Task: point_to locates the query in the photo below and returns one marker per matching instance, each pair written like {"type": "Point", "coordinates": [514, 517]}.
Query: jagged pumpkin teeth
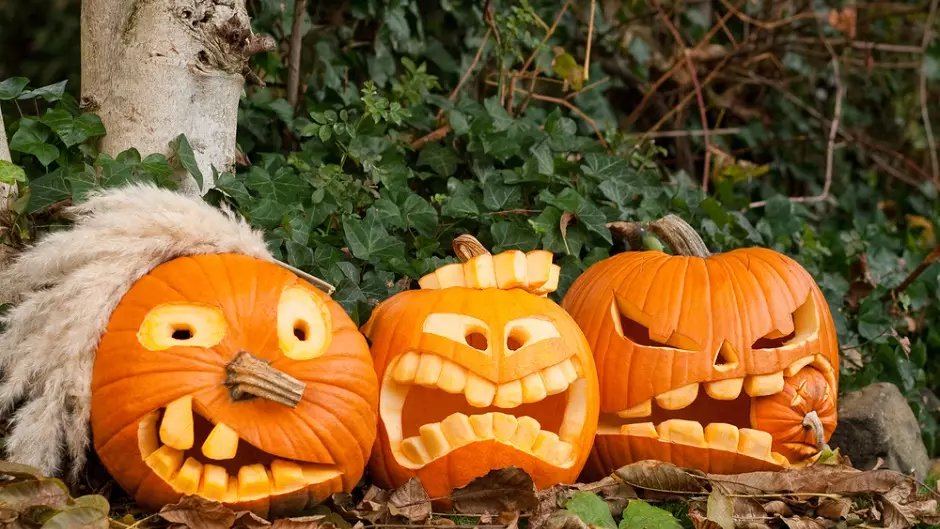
{"type": "Point", "coordinates": [286, 476]}
{"type": "Point", "coordinates": [563, 452]}
{"type": "Point", "coordinates": [457, 429]}
{"type": "Point", "coordinates": [780, 459]}
{"type": "Point", "coordinates": [253, 482]}
{"type": "Point", "coordinates": [511, 269]}
{"type": "Point", "coordinates": [795, 367]}
{"type": "Point", "coordinates": [450, 275]}
{"type": "Point", "coordinates": [479, 391]}
{"type": "Point", "coordinates": [176, 429]}
{"type": "Point", "coordinates": [221, 443]}
{"type": "Point", "coordinates": [479, 272]}
{"type": "Point", "coordinates": [453, 378]}
{"type": "Point", "coordinates": [509, 395]}
{"type": "Point", "coordinates": [434, 440]}
{"type": "Point", "coordinates": [727, 389]}
{"type": "Point", "coordinates": [538, 267]}
{"type": "Point", "coordinates": [147, 434]}
{"type": "Point", "coordinates": [318, 474]}
{"type": "Point", "coordinates": [214, 482]}
{"type": "Point", "coordinates": [678, 398]}
{"type": "Point", "coordinates": [407, 367]}
{"type": "Point", "coordinates": [643, 409]}
{"type": "Point", "coordinates": [429, 370]}
{"type": "Point", "coordinates": [187, 480]}
{"type": "Point", "coordinates": [482, 425]}
{"type": "Point", "coordinates": [682, 432]}
{"type": "Point", "coordinates": [231, 494]}
{"type": "Point", "coordinates": [642, 429]}
{"type": "Point", "coordinates": [165, 461]}
{"type": "Point", "coordinates": [554, 380]}
{"type": "Point", "coordinates": [533, 389]}
{"type": "Point", "coordinates": [722, 436]}
{"type": "Point", "coordinates": [504, 426]}
{"type": "Point", "coordinates": [567, 368]}
{"type": "Point", "coordinates": [545, 445]}
{"type": "Point", "coordinates": [755, 443]}
{"type": "Point", "coordinates": [762, 385]}
{"type": "Point", "coordinates": [414, 450]}
{"type": "Point", "coordinates": [526, 432]}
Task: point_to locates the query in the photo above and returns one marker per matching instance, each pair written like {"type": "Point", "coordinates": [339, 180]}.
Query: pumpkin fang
{"type": "Point", "coordinates": [420, 378]}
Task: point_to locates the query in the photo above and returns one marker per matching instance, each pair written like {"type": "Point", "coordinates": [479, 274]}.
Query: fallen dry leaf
{"type": "Point", "coordinates": [198, 513]}
{"type": "Point", "coordinates": [249, 520]}
{"type": "Point", "coordinates": [720, 509]}
{"type": "Point", "coordinates": [501, 490]}
{"type": "Point", "coordinates": [615, 492]}
{"type": "Point", "coordinates": [374, 505]}
{"type": "Point", "coordinates": [802, 523]}
{"type": "Point", "coordinates": [661, 477]}
{"type": "Point", "coordinates": [778, 507]}
{"type": "Point", "coordinates": [834, 509]}
{"type": "Point", "coordinates": [411, 501]}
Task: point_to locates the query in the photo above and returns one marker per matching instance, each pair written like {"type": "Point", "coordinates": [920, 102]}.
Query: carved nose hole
{"type": "Point", "coordinates": [726, 358]}
{"type": "Point", "coordinates": [477, 340]}
{"type": "Point", "coordinates": [517, 338]}
{"type": "Point", "coordinates": [182, 332]}
{"type": "Point", "coordinates": [301, 330]}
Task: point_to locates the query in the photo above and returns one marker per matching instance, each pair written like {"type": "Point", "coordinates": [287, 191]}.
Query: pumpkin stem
{"type": "Point", "coordinates": [811, 422]}
{"type": "Point", "coordinates": [467, 247]}
{"type": "Point", "coordinates": [680, 236]}
{"type": "Point", "coordinates": [249, 377]}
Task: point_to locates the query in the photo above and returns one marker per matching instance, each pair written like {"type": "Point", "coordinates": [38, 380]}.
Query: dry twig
{"type": "Point", "coordinates": [296, 41]}
{"type": "Point", "coordinates": [590, 37]}
{"type": "Point", "coordinates": [931, 143]}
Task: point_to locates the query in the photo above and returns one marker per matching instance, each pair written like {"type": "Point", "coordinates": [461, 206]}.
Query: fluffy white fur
{"type": "Point", "coordinates": [64, 290]}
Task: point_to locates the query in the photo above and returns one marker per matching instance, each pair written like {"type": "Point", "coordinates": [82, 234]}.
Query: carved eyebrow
{"type": "Point", "coordinates": [459, 328]}
{"type": "Point", "coordinates": [626, 318]}
{"type": "Point", "coordinates": [523, 332]}
{"type": "Point", "coordinates": [805, 324]}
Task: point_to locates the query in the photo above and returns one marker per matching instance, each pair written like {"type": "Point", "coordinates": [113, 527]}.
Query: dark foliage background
{"type": "Point", "coordinates": [388, 154]}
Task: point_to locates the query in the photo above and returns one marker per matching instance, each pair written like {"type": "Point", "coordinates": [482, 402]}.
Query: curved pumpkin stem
{"type": "Point", "coordinates": [467, 247]}
{"type": "Point", "coordinates": [811, 422]}
{"type": "Point", "coordinates": [249, 377]}
{"type": "Point", "coordinates": [680, 236]}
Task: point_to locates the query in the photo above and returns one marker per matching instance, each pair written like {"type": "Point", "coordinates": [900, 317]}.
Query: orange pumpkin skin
{"type": "Point", "coordinates": [668, 332]}
{"type": "Point", "coordinates": [330, 431]}
{"type": "Point", "coordinates": [396, 328]}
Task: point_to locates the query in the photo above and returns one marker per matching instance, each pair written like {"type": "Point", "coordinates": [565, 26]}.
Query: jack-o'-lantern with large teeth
{"type": "Point", "coordinates": [725, 363]}
{"type": "Point", "coordinates": [238, 382]}
{"type": "Point", "coordinates": [479, 370]}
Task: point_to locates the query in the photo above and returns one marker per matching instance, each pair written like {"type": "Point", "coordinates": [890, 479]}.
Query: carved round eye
{"type": "Point", "coordinates": [182, 324]}
{"type": "Point", "coordinates": [303, 324]}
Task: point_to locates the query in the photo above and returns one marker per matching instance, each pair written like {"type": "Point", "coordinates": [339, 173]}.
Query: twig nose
{"type": "Point", "coordinates": [249, 377]}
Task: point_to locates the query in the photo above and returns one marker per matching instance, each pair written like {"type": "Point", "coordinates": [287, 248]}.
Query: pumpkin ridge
{"type": "Point", "coordinates": [231, 307]}
{"type": "Point", "coordinates": [760, 269]}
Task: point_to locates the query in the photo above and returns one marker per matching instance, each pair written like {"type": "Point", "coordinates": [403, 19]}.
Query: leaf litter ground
{"type": "Point", "coordinates": [643, 495]}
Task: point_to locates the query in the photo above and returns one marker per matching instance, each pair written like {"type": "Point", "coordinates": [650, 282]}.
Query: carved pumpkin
{"type": "Point", "coordinates": [479, 370]}
{"type": "Point", "coordinates": [228, 377]}
{"type": "Point", "coordinates": [724, 363]}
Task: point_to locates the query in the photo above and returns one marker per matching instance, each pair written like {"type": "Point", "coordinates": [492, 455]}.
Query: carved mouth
{"type": "Point", "coordinates": [718, 415]}
{"type": "Point", "coordinates": [431, 406]}
{"type": "Point", "coordinates": [193, 456]}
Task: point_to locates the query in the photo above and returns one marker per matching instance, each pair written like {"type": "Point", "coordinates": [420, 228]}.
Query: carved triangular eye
{"type": "Point", "coordinates": [805, 324]}
{"type": "Point", "coordinates": [625, 322]}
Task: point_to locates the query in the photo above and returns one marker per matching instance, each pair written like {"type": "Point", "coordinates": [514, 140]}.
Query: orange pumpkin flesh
{"type": "Point", "coordinates": [479, 371]}
{"type": "Point", "coordinates": [174, 409]}
{"type": "Point", "coordinates": [698, 356]}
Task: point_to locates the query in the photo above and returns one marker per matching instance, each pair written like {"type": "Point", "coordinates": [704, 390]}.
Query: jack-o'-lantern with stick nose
{"type": "Point", "coordinates": [725, 363]}
{"type": "Point", "coordinates": [203, 366]}
{"type": "Point", "coordinates": [479, 370]}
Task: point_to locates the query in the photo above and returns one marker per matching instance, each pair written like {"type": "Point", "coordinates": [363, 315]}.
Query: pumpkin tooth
{"type": "Point", "coordinates": [640, 429]}
{"type": "Point", "coordinates": [453, 378]}
{"type": "Point", "coordinates": [545, 445]}
{"type": "Point", "coordinates": [450, 276]}
{"type": "Point", "coordinates": [678, 398]}
{"type": "Point", "coordinates": [214, 482]}
{"type": "Point", "coordinates": [780, 459]}
{"type": "Point", "coordinates": [682, 431]}
{"type": "Point", "coordinates": [188, 478]}
{"type": "Point", "coordinates": [722, 436]}
{"type": "Point", "coordinates": [457, 430]}
{"type": "Point", "coordinates": [763, 385]}
{"type": "Point", "coordinates": [318, 474]}
{"type": "Point", "coordinates": [554, 380]}
{"type": "Point", "coordinates": [434, 440]}
{"type": "Point", "coordinates": [795, 367]}
{"type": "Point", "coordinates": [176, 429]}
{"type": "Point", "coordinates": [567, 368]}
{"type": "Point", "coordinates": [504, 426]}
{"type": "Point", "coordinates": [147, 441]}
{"type": "Point", "coordinates": [563, 452]}
{"type": "Point", "coordinates": [287, 476]}
{"type": "Point", "coordinates": [221, 443]}
{"type": "Point", "coordinates": [754, 443]}
{"type": "Point", "coordinates": [253, 482]}
{"type": "Point", "coordinates": [643, 409]}
{"type": "Point", "coordinates": [572, 423]}
{"type": "Point", "coordinates": [479, 391]}
{"type": "Point", "coordinates": [509, 395]}
{"type": "Point", "coordinates": [482, 425]}
{"type": "Point", "coordinates": [511, 268]}
{"type": "Point", "coordinates": [429, 370]}
{"type": "Point", "coordinates": [414, 450]}
{"type": "Point", "coordinates": [538, 268]}
{"type": "Point", "coordinates": [526, 431]}
{"type": "Point", "coordinates": [533, 389]}
{"type": "Point", "coordinates": [165, 462]}
{"type": "Point", "coordinates": [231, 493]}
{"type": "Point", "coordinates": [406, 367]}
{"type": "Point", "coordinates": [479, 272]}
{"type": "Point", "coordinates": [727, 389]}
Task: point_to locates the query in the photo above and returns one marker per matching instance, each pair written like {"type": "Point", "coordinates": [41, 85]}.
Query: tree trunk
{"type": "Point", "coordinates": [153, 69]}
{"type": "Point", "coordinates": [6, 195]}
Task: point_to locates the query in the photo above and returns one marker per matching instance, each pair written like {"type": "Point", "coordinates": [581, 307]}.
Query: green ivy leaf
{"type": "Point", "coordinates": [10, 174]}
{"type": "Point", "coordinates": [591, 509]}
{"type": "Point", "coordinates": [50, 93]}
{"type": "Point", "coordinates": [501, 119]}
{"type": "Point", "coordinates": [12, 88]}
{"type": "Point", "coordinates": [442, 160]}
{"type": "Point", "coordinates": [31, 138]}
{"type": "Point", "coordinates": [604, 167]}
{"type": "Point", "coordinates": [47, 190]}
{"type": "Point", "coordinates": [509, 236]}
{"type": "Point", "coordinates": [642, 515]}
{"type": "Point", "coordinates": [368, 238]}
{"type": "Point", "coordinates": [285, 186]}
{"type": "Point", "coordinates": [266, 213]}
{"type": "Point", "coordinates": [187, 158]}
{"type": "Point", "coordinates": [498, 196]}
{"type": "Point", "coordinates": [73, 130]}
{"type": "Point", "coordinates": [543, 155]}
{"type": "Point", "coordinates": [420, 215]}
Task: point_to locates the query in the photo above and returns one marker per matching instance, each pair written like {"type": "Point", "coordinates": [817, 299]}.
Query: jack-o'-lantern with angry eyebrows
{"type": "Point", "coordinates": [725, 363]}
{"type": "Point", "coordinates": [479, 370]}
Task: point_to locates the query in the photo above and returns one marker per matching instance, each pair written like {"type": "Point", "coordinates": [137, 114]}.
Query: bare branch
{"type": "Point", "coordinates": [293, 65]}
